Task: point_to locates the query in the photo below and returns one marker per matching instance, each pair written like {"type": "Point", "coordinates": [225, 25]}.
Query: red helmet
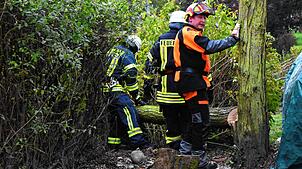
{"type": "Point", "coordinates": [197, 9]}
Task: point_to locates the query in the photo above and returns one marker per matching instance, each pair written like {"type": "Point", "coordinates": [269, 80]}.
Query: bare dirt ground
{"type": "Point", "coordinates": [222, 154]}
{"type": "Point", "coordinates": [220, 149]}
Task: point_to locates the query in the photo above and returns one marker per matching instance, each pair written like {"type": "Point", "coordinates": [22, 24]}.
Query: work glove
{"type": "Point", "coordinates": [236, 30]}
{"type": "Point", "coordinates": [139, 102]}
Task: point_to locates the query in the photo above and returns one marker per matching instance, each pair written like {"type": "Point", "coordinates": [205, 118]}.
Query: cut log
{"type": "Point", "coordinates": [164, 158]}
{"type": "Point", "coordinates": [151, 114]}
{"type": "Point", "coordinates": [186, 162]}
{"type": "Point", "coordinates": [167, 158]}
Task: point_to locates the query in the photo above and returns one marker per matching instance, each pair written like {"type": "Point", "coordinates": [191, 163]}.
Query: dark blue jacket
{"type": "Point", "coordinates": [162, 59]}
{"type": "Point", "coordinates": [122, 72]}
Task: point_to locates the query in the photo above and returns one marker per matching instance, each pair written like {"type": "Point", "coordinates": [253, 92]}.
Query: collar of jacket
{"type": "Point", "coordinates": [124, 48]}
{"type": "Point", "coordinates": [187, 24]}
{"type": "Point", "coordinates": [176, 25]}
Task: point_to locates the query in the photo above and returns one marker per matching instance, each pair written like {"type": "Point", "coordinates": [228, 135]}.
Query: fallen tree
{"type": "Point", "coordinates": [151, 114]}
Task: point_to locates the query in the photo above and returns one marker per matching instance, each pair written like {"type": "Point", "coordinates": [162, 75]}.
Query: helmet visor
{"type": "Point", "coordinates": [201, 8]}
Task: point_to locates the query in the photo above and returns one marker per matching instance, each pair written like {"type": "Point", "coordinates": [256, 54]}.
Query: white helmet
{"type": "Point", "coordinates": [178, 16]}
{"type": "Point", "coordinates": [134, 41]}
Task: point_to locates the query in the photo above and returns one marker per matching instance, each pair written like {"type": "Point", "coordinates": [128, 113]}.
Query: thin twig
{"type": "Point", "coordinates": [220, 144]}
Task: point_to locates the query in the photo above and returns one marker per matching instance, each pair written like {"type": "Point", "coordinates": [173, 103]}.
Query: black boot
{"type": "Point", "coordinates": [185, 148]}
{"type": "Point", "coordinates": [174, 145]}
{"type": "Point", "coordinates": [203, 164]}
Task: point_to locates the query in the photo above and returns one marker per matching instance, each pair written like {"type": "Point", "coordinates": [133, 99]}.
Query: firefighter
{"type": "Point", "coordinates": [172, 105]}
{"type": "Point", "coordinates": [123, 89]}
{"type": "Point", "coordinates": [192, 64]}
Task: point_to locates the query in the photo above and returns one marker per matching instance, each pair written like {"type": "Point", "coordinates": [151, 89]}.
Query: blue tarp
{"type": "Point", "coordinates": [290, 150]}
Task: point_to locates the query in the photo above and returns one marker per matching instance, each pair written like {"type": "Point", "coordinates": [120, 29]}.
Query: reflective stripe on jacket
{"type": "Point", "coordinates": [162, 57]}
{"type": "Point", "coordinates": [121, 71]}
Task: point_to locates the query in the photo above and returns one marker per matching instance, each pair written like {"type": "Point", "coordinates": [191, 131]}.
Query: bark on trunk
{"type": "Point", "coordinates": [252, 127]}
{"type": "Point", "coordinates": [151, 114]}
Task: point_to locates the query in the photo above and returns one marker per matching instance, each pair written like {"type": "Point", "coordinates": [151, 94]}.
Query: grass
{"type": "Point", "coordinates": [298, 36]}
{"type": "Point", "coordinates": [275, 127]}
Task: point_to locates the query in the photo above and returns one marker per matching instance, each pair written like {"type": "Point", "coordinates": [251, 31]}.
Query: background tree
{"type": "Point", "coordinates": [284, 17]}
{"type": "Point", "coordinates": [252, 128]}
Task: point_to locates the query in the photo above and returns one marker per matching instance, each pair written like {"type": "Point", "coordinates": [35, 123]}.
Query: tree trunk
{"type": "Point", "coordinates": [151, 114]}
{"type": "Point", "coordinates": [252, 127]}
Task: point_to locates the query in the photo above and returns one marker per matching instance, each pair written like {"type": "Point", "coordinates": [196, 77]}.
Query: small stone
{"type": "Point", "coordinates": [137, 156]}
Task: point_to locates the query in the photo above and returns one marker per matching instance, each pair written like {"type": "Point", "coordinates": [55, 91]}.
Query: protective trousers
{"type": "Point", "coordinates": [197, 129]}
{"type": "Point", "coordinates": [124, 121]}
{"type": "Point", "coordinates": [176, 118]}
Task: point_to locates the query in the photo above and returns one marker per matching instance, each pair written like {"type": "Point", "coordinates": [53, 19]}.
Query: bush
{"type": "Point", "coordinates": [274, 82]}
{"type": "Point", "coordinates": [52, 61]}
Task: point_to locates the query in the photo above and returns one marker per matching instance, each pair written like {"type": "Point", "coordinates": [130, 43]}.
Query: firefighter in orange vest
{"type": "Point", "coordinates": [192, 64]}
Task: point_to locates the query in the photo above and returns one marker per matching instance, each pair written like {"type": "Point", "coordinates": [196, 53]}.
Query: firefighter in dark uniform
{"type": "Point", "coordinates": [171, 103]}
{"type": "Point", "coordinates": [192, 64]}
{"type": "Point", "coordinates": [121, 84]}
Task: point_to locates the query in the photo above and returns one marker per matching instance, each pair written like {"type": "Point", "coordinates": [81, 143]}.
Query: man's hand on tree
{"type": "Point", "coordinates": [236, 30]}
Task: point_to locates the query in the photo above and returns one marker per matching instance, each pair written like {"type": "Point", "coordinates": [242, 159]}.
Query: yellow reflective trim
{"type": "Point", "coordinates": [210, 78]}
{"type": "Point", "coordinates": [133, 87]}
{"type": "Point", "coordinates": [149, 56]}
{"type": "Point", "coordinates": [171, 139]}
{"type": "Point", "coordinates": [126, 68]}
{"type": "Point", "coordinates": [105, 89]}
{"type": "Point", "coordinates": [134, 132]}
{"type": "Point", "coordinates": [115, 54]}
{"type": "Point", "coordinates": [112, 66]}
{"type": "Point", "coordinates": [117, 88]}
{"type": "Point", "coordinates": [164, 44]}
{"type": "Point", "coordinates": [168, 94]}
{"type": "Point", "coordinates": [113, 140]}
{"type": "Point", "coordinates": [164, 83]}
{"type": "Point", "coordinates": [169, 97]}
{"type": "Point", "coordinates": [129, 119]}
{"type": "Point", "coordinates": [170, 101]}
{"type": "Point", "coordinates": [148, 77]}
{"type": "Point", "coordinates": [162, 57]}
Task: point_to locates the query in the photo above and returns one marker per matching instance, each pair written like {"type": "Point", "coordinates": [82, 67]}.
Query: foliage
{"type": "Point", "coordinates": [275, 127]}
{"type": "Point", "coordinates": [149, 34]}
{"type": "Point", "coordinates": [52, 57]}
{"type": "Point", "coordinates": [273, 81]}
{"type": "Point", "coordinates": [224, 64]}
{"type": "Point", "coordinates": [121, 18]}
{"type": "Point", "coordinates": [298, 37]}
{"type": "Point", "coordinates": [295, 51]}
